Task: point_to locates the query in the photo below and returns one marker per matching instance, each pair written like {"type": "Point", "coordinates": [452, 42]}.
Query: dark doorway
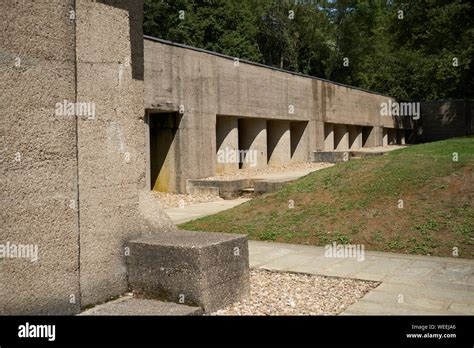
{"type": "Point", "coordinates": [164, 158]}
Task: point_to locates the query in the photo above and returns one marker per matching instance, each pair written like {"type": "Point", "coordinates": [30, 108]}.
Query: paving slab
{"type": "Point", "coordinates": [129, 305]}
{"type": "Point", "coordinates": [410, 284]}
{"type": "Point", "coordinates": [195, 211]}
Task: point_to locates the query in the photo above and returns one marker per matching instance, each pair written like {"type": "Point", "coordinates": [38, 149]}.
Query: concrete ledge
{"type": "Point", "coordinates": [343, 156]}
{"type": "Point", "coordinates": [330, 156]}
{"type": "Point", "coordinates": [210, 270]}
{"type": "Point", "coordinates": [263, 186]}
{"type": "Point", "coordinates": [227, 189]}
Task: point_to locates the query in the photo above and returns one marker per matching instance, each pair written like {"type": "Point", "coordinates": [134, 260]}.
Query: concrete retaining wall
{"type": "Point", "coordinates": [72, 184]}
{"type": "Point", "coordinates": [208, 86]}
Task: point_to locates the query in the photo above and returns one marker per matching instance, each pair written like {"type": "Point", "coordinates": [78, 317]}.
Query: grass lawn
{"type": "Point", "coordinates": [414, 200]}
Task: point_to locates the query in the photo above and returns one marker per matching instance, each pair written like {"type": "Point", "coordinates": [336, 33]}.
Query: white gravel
{"type": "Point", "coordinates": [283, 293]}
{"type": "Point", "coordinates": [175, 200]}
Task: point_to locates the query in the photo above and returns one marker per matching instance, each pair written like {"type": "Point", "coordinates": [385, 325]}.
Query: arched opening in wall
{"type": "Point", "coordinates": [164, 150]}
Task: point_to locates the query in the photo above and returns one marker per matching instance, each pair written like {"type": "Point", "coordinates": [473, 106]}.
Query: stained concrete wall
{"type": "Point", "coordinates": [341, 137]}
{"type": "Point", "coordinates": [207, 84]}
{"type": "Point", "coordinates": [39, 190]}
{"type": "Point", "coordinates": [77, 189]}
{"type": "Point", "coordinates": [111, 148]}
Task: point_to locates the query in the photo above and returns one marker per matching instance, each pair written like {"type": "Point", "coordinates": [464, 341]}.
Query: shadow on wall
{"type": "Point", "coordinates": [136, 33]}
{"type": "Point", "coordinates": [444, 119]}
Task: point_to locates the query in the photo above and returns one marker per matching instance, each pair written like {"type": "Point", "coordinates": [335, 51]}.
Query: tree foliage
{"type": "Point", "coordinates": [412, 50]}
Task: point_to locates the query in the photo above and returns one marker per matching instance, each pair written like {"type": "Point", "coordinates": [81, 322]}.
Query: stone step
{"type": "Point", "coordinates": [209, 270]}
{"type": "Point", "coordinates": [247, 192]}
{"type": "Point", "coordinates": [129, 305]}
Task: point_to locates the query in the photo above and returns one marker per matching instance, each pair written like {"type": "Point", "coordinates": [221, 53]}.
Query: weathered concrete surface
{"type": "Point", "coordinates": [411, 284]}
{"type": "Point", "coordinates": [328, 137]}
{"type": "Point", "coordinates": [207, 85]}
{"type": "Point", "coordinates": [331, 156]}
{"type": "Point", "coordinates": [227, 189]}
{"type": "Point", "coordinates": [129, 305]}
{"type": "Point", "coordinates": [300, 151]}
{"type": "Point", "coordinates": [278, 142]}
{"type": "Point", "coordinates": [355, 137]}
{"type": "Point", "coordinates": [373, 136]}
{"type": "Point", "coordinates": [341, 137]}
{"type": "Point", "coordinates": [38, 161]}
{"type": "Point", "coordinates": [253, 138]}
{"type": "Point", "coordinates": [210, 270]}
{"type": "Point", "coordinates": [74, 192]}
{"type": "Point", "coordinates": [227, 134]}
{"type": "Point", "coordinates": [111, 147]}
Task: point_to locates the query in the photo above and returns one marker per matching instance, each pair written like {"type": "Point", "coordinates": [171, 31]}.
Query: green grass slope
{"type": "Point", "coordinates": [414, 200]}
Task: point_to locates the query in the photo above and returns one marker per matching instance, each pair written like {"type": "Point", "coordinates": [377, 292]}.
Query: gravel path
{"type": "Point", "coordinates": [283, 293]}
{"type": "Point", "coordinates": [175, 200]}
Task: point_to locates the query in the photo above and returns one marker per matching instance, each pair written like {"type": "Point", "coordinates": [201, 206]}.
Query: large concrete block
{"type": "Point", "coordinates": [38, 162]}
{"type": "Point", "coordinates": [111, 147]}
{"type": "Point", "coordinates": [278, 142]}
{"type": "Point", "coordinates": [210, 270]}
{"type": "Point", "coordinates": [253, 138]}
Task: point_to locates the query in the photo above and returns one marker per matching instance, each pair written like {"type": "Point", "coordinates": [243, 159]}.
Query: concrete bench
{"type": "Point", "coordinates": [210, 270]}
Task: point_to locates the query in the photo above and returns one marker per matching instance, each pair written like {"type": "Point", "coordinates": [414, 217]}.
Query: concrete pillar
{"type": "Point", "coordinates": [253, 139]}
{"type": "Point", "coordinates": [385, 137]}
{"type": "Point", "coordinates": [227, 143]}
{"type": "Point", "coordinates": [341, 137]}
{"type": "Point", "coordinates": [278, 142]}
{"type": "Point", "coordinates": [315, 132]}
{"type": "Point", "coordinates": [355, 137]}
{"type": "Point", "coordinates": [328, 137]}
